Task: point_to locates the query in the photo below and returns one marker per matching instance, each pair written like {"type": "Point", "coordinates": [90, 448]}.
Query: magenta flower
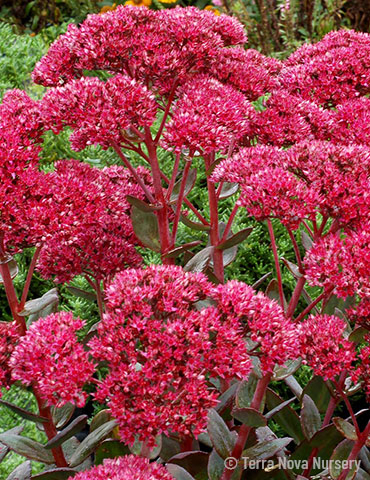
{"type": "Point", "coordinates": [324, 346]}
{"type": "Point", "coordinates": [98, 112]}
{"type": "Point", "coordinates": [92, 232]}
{"type": "Point", "coordinates": [261, 319]}
{"type": "Point", "coordinates": [161, 352]}
{"type": "Point", "coordinates": [330, 71]}
{"type": "Point", "coordinates": [207, 117]}
{"type": "Point", "coordinates": [125, 468]}
{"type": "Point", "coordinates": [50, 358]}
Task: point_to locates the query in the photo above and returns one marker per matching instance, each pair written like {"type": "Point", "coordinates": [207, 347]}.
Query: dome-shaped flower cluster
{"type": "Point", "coordinates": [50, 358]}
{"type": "Point", "coordinates": [91, 228]}
{"type": "Point", "coordinates": [161, 352]}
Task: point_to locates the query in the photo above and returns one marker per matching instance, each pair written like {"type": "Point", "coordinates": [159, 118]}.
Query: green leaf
{"type": "Point", "coordinates": [56, 474]}
{"type": "Point", "coordinates": [287, 418]}
{"type": "Point", "coordinates": [22, 472]}
{"type": "Point", "coordinates": [78, 292]}
{"type": "Point", "coordinates": [216, 466]}
{"type": "Point", "coordinates": [23, 413]}
{"type": "Point", "coordinates": [27, 448]}
{"type": "Point", "coordinates": [362, 475]}
{"type": "Point", "coordinates": [261, 280]}
{"type": "Point", "coordinates": [169, 449]}
{"type": "Point", "coordinates": [291, 366]}
{"type": "Point", "coordinates": [62, 415]}
{"type": "Point", "coordinates": [226, 400]}
{"type": "Point", "coordinates": [183, 248]}
{"type": "Point", "coordinates": [200, 261]}
{"type": "Point", "coordinates": [292, 267]}
{"type": "Point", "coordinates": [345, 428]}
{"type": "Point", "coordinates": [250, 417]}
{"type": "Point", "coordinates": [190, 182]}
{"type": "Point", "coordinates": [267, 449]}
{"type": "Point", "coordinates": [340, 454]}
{"type": "Point", "coordinates": [178, 472]}
{"type": "Point", "coordinates": [110, 449]}
{"type": "Point", "coordinates": [326, 435]}
{"type": "Point", "coordinates": [50, 298]}
{"type": "Point", "coordinates": [194, 462]}
{"type": "Point", "coordinates": [278, 408]}
{"type": "Point", "coordinates": [194, 225]}
{"type": "Point", "coordinates": [306, 240]}
{"type": "Point", "coordinates": [319, 392]}
{"type": "Point", "coordinates": [91, 442]}
{"type": "Point", "coordinates": [228, 189]}
{"type": "Point", "coordinates": [13, 268]}
{"type": "Point", "coordinates": [358, 334]}
{"type": "Point", "coordinates": [245, 392]}
{"type": "Point", "coordinates": [4, 450]}
{"type": "Point", "coordinates": [235, 239]}
{"type": "Point", "coordinates": [145, 226]}
{"type": "Point", "coordinates": [141, 448]}
{"type": "Point", "coordinates": [222, 439]}
{"type": "Point", "coordinates": [100, 418]}
{"type": "Point", "coordinates": [143, 206]}
{"type": "Point", "coordinates": [310, 417]}
{"type": "Point", "coordinates": [272, 292]}
{"type": "Point", "coordinates": [74, 427]}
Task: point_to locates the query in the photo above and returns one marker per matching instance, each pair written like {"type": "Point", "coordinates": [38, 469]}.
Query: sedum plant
{"type": "Point", "coordinates": [184, 364]}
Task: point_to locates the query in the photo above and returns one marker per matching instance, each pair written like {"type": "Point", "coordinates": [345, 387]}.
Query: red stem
{"type": "Point", "coordinates": [162, 214]}
{"type": "Point", "coordinates": [218, 260]}
{"type": "Point", "coordinates": [296, 250]}
{"type": "Point", "coordinates": [276, 259]}
{"type": "Point", "coordinates": [50, 430]}
{"type": "Point", "coordinates": [173, 177]}
{"type": "Point", "coordinates": [296, 296]}
{"type": "Point", "coordinates": [322, 296]}
{"type": "Point", "coordinates": [229, 223]}
{"type": "Point", "coordinates": [29, 278]}
{"type": "Point", "coordinates": [357, 447]}
{"type": "Point", "coordinates": [167, 111]}
{"type": "Point", "coordinates": [99, 298]}
{"type": "Point", "coordinates": [134, 173]}
{"type": "Point", "coordinates": [245, 429]}
{"type": "Point", "coordinates": [180, 200]}
{"type": "Point", "coordinates": [12, 296]}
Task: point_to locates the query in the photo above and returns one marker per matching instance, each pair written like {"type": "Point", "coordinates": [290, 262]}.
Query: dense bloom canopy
{"type": "Point", "coordinates": [161, 352]}
{"type": "Point", "coordinates": [50, 358]}
{"type": "Point", "coordinates": [125, 468]}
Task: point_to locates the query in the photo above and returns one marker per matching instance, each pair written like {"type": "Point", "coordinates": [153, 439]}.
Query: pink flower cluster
{"type": "Point", "coordinates": [125, 468]}
{"type": "Point", "coordinates": [89, 219]}
{"type": "Point", "coordinates": [162, 352]}
{"type": "Point", "coordinates": [9, 336]}
{"type": "Point", "coordinates": [343, 263]}
{"type": "Point", "coordinates": [50, 358]}
{"type": "Point", "coordinates": [262, 320]}
{"type": "Point", "coordinates": [99, 112]}
{"type": "Point", "coordinates": [331, 71]}
{"type": "Point", "coordinates": [324, 346]}
{"type": "Point", "coordinates": [295, 184]}
{"type": "Point", "coordinates": [207, 117]}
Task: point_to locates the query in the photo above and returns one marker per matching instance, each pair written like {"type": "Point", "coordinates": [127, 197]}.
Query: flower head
{"type": "Point", "coordinates": [324, 347]}
{"type": "Point", "coordinates": [93, 232]}
{"type": "Point", "coordinates": [208, 116]}
{"type": "Point", "coordinates": [50, 358]}
{"type": "Point", "coordinates": [161, 352]}
{"type": "Point", "coordinates": [261, 319]}
{"type": "Point", "coordinates": [125, 468]}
